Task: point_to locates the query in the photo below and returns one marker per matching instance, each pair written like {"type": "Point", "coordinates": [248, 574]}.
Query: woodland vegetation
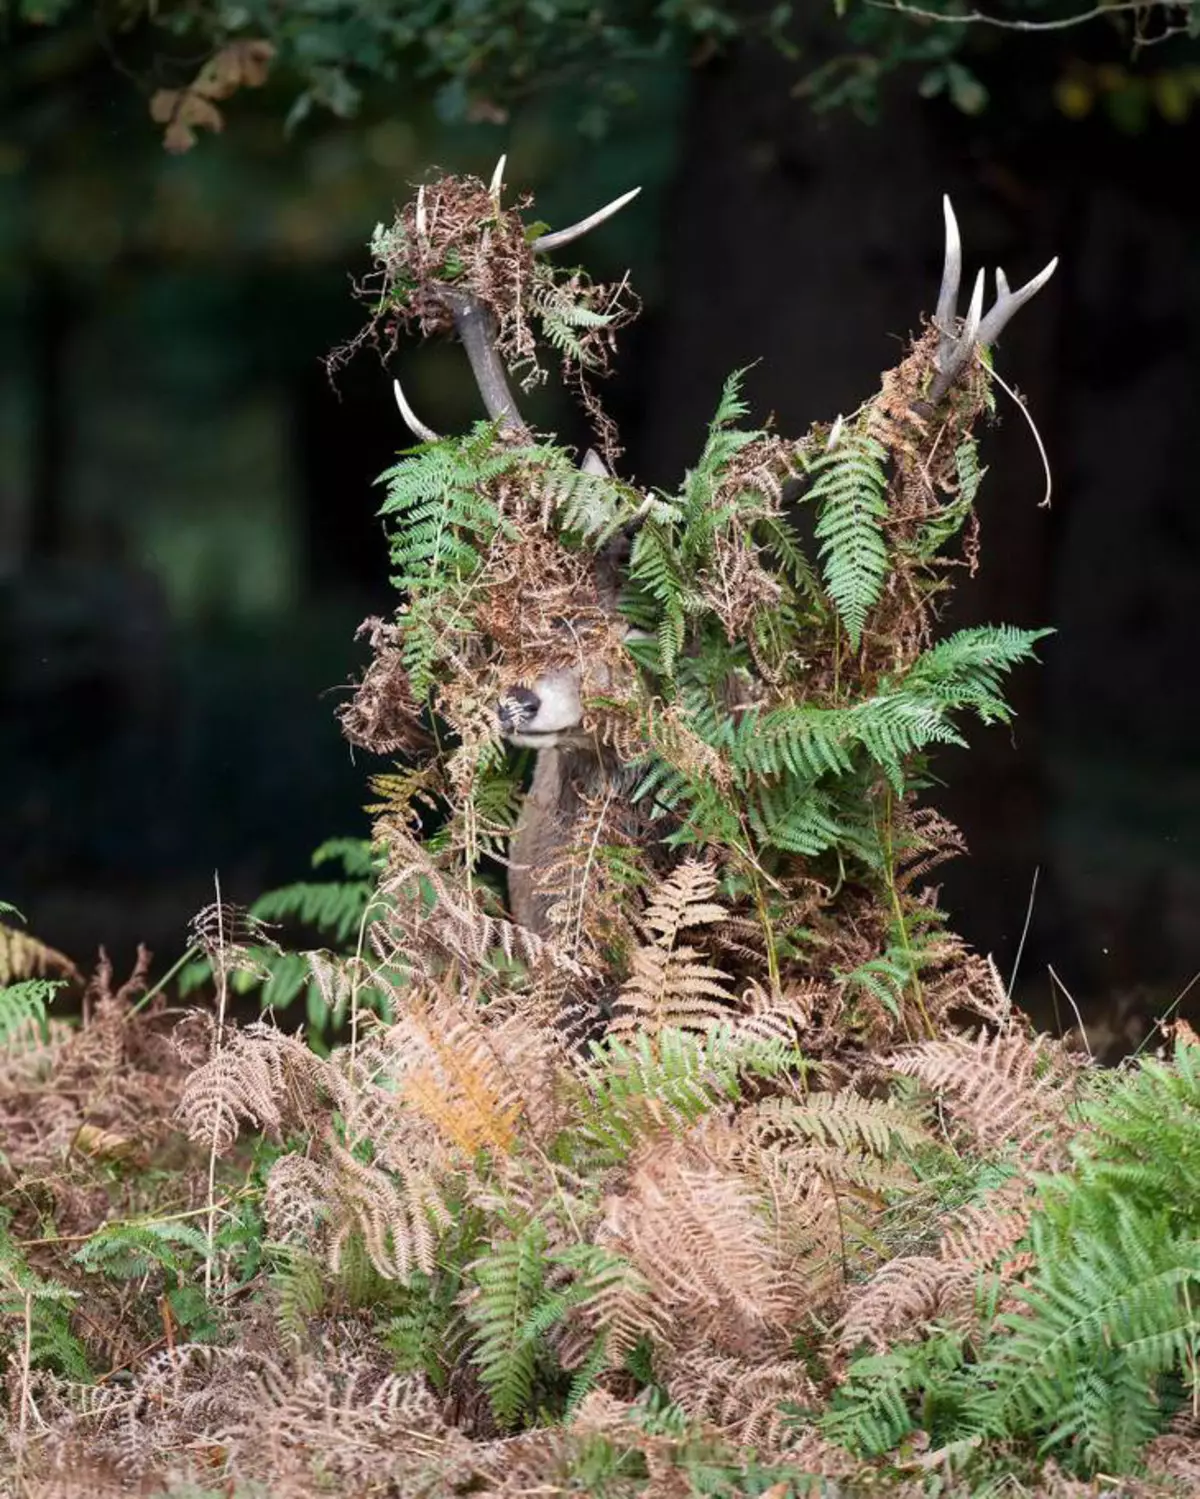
{"type": "Point", "coordinates": [738, 1173]}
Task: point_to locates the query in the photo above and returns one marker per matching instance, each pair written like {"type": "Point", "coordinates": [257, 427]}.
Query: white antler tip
{"type": "Point", "coordinates": [497, 181]}
{"type": "Point", "coordinates": [975, 310]}
{"type": "Point", "coordinates": [413, 422]}
{"type": "Point", "coordinates": [421, 212]}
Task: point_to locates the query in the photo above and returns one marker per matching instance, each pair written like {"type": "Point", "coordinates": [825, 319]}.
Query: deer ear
{"type": "Point", "coordinates": [593, 464]}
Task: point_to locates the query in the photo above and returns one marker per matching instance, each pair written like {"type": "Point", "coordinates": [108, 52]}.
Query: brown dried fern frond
{"type": "Point", "coordinates": [592, 884]}
{"type": "Point", "coordinates": [383, 716]}
{"type": "Point", "coordinates": [849, 1123]}
{"type": "Point", "coordinates": [694, 1229]}
{"type": "Point", "coordinates": [472, 1074]}
{"type": "Point", "coordinates": [260, 1076]}
{"type": "Point", "coordinates": [227, 934]}
{"type": "Point", "coordinates": [109, 1084]}
{"type": "Point", "coordinates": [742, 1398]}
{"type": "Point", "coordinates": [24, 956]}
{"type": "Point", "coordinates": [324, 1200]}
{"type": "Point", "coordinates": [910, 1292]}
{"type": "Point", "coordinates": [903, 1297]}
{"type": "Point", "coordinates": [670, 985]}
{"type": "Point", "coordinates": [1005, 1089]}
{"type": "Point", "coordinates": [923, 840]}
{"type": "Point", "coordinates": [450, 928]}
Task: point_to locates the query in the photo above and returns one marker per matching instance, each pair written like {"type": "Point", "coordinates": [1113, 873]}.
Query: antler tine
{"type": "Point", "coordinates": [560, 237]}
{"type": "Point", "coordinates": [955, 349]}
{"type": "Point", "coordinates": [1009, 302]}
{"type": "Point", "coordinates": [947, 302]}
{"type": "Point", "coordinates": [497, 182]}
{"type": "Point", "coordinates": [411, 420]}
{"type": "Point", "coordinates": [954, 353]}
{"type": "Point", "coordinates": [421, 225]}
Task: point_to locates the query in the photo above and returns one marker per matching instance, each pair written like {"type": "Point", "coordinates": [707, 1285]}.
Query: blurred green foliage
{"type": "Point", "coordinates": [478, 57]}
{"type": "Point", "coordinates": [478, 60]}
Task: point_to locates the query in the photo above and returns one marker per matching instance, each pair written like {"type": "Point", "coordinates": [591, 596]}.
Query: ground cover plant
{"type": "Point", "coordinates": [660, 1138]}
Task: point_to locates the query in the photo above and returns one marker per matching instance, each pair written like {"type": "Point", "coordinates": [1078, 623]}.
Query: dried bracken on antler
{"type": "Point", "coordinates": [457, 260]}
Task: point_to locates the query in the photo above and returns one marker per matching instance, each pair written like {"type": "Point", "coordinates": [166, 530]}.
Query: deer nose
{"type": "Point", "coordinates": [518, 707]}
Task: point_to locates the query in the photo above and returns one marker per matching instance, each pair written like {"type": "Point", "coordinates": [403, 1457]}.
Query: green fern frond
{"type": "Point", "coordinates": [35, 1316]}
{"type": "Point", "coordinates": [561, 321]}
{"type": "Point", "coordinates": [722, 443]}
{"type": "Point", "coordinates": [966, 669]}
{"type": "Point", "coordinates": [23, 1008]}
{"type": "Point", "coordinates": [849, 490]}
{"type": "Point", "coordinates": [629, 1088]}
{"type": "Point", "coordinates": [131, 1250]}
{"type": "Point", "coordinates": [655, 568]}
{"type": "Point", "coordinates": [298, 1281]}
{"type": "Point", "coordinates": [509, 1278]}
{"type": "Point", "coordinates": [1107, 1312]}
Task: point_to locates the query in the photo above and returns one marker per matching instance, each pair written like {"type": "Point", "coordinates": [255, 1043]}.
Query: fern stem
{"type": "Point", "coordinates": [764, 917]}
{"type": "Point", "coordinates": [889, 872]}
{"type": "Point", "coordinates": [175, 967]}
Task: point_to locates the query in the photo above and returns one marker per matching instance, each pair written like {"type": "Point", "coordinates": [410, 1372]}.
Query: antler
{"type": "Point", "coordinates": [956, 346]}
{"type": "Point", "coordinates": [476, 324]}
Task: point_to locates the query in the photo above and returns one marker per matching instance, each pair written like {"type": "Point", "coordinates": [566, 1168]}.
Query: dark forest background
{"type": "Point", "coordinates": [187, 520]}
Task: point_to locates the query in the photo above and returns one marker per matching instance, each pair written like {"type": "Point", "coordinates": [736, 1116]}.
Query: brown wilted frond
{"type": "Point", "coordinates": [383, 716]}
{"type": "Point", "coordinates": [105, 1088]}
{"type": "Point", "coordinates": [24, 956]}
{"type": "Point", "coordinates": [904, 1296]}
{"type": "Point", "coordinates": [923, 839]}
{"type": "Point", "coordinates": [784, 1018]}
{"type": "Point", "coordinates": [260, 1076]}
{"type": "Point", "coordinates": [321, 1204]}
{"type": "Point", "coordinates": [740, 1397]}
{"type": "Point", "coordinates": [295, 1422]}
{"type": "Point", "coordinates": [826, 1163]}
{"type": "Point", "coordinates": [453, 928]}
{"type": "Point", "coordinates": [692, 1227]}
{"type": "Point", "coordinates": [846, 1121]}
{"type": "Point", "coordinates": [1004, 1089]}
{"type": "Point", "coordinates": [1174, 1456]}
{"type": "Point", "coordinates": [463, 226]}
{"type": "Point", "coordinates": [670, 984]}
{"type": "Point", "coordinates": [226, 933]}
{"type": "Point", "coordinates": [472, 1075]}
{"type": "Point", "coordinates": [910, 1292]}
{"type": "Point", "coordinates": [982, 1233]}
{"type": "Point", "coordinates": [590, 884]}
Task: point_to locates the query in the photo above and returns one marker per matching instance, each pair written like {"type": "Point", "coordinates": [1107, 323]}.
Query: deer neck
{"type": "Point", "coordinates": [543, 832]}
